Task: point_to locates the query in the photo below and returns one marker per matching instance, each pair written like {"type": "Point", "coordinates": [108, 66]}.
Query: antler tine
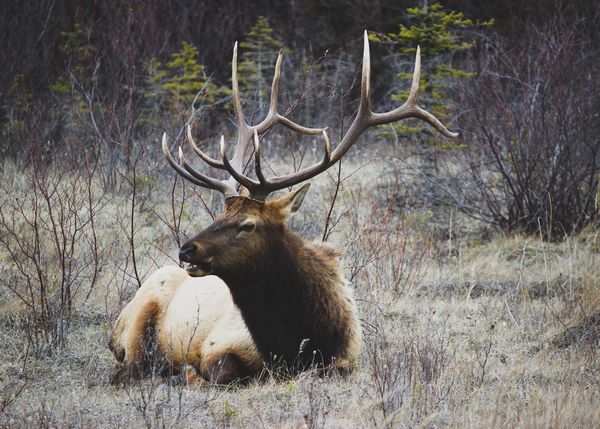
{"type": "Point", "coordinates": [237, 101]}
{"type": "Point", "coordinates": [257, 165]}
{"type": "Point", "coordinates": [235, 174]}
{"type": "Point", "coordinates": [416, 79]}
{"type": "Point", "coordinates": [410, 108]}
{"type": "Point", "coordinates": [298, 128]}
{"type": "Point", "coordinates": [275, 85]}
{"type": "Point", "coordinates": [273, 117]}
{"type": "Point", "coordinates": [198, 180]}
{"type": "Point", "coordinates": [365, 81]}
{"type": "Point", "coordinates": [244, 130]}
{"type": "Point", "coordinates": [210, 161]}
{"type": "Point", "coordinates": [306, 173]}
{"type": "Point", "coordinates": [213, 183]}
{"type": "Point", "coordinates": [364, 114]}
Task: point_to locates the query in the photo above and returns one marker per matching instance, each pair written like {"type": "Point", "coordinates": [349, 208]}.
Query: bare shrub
{"type": "Point", "coordinates": [384, 249]}
{"type": "Point", "coordinates": [319, 404]}
{"type": "Point", "coordinates": [48, 236]}
{"type": "Point", "coordinates": [145, 397]}
{"type": "Point", "coordinates": [9, 393]}
{"type": "Point", "coordinates": [483, 353]}
{"type": "Point", "coordinates": [408, 374]}
{"type": "Point", "coordinates": [533, 134]}
{"type": "Point", "coordinates": [583, 328]}
{"type": "Point", "coordinates": [165, 402]}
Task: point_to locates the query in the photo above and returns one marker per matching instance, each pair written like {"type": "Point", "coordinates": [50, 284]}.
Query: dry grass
{"type": "Point", "coordinates": [458, 332]}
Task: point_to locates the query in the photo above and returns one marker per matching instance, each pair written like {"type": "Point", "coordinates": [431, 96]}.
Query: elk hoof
{"type": "Point", "coordinates": [189, 375]}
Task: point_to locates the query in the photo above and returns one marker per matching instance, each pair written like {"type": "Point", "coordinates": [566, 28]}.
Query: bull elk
{"type": "Point", "coordinates": [291, 293]}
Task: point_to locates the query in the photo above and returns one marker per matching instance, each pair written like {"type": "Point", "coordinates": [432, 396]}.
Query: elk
{"type": "Point", "coordinates": [291, 293]}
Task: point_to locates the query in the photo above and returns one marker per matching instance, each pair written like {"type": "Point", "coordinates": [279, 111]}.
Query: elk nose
{"type": "Point", "coordinates": [186, 252]}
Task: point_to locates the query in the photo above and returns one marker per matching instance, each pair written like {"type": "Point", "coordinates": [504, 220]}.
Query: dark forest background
{"type": "Point", "coordinates": [31, 30]}
{"type": "Point", "coordinates": [126, 34]}
{"type": "Point", "coordinates": [518, 79]}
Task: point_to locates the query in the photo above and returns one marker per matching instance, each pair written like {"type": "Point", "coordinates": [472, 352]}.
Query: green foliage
{"type": "Point", "coordinates": [60, 86]}
{"type": "Point", "coordinates": [181, 82]}
{"type": "Point", "coordinates": [439, 33]}
{"type": "Point", "coordinates": [434, 29]}
{"type": "Point", "coordinates": [259, 53]}
{"type": "Point", "coordinates": [16, 107]}
{"type": "Point", "coordinates": [229, 410]}
{"type": "Point", "coordinates": [80, 57]}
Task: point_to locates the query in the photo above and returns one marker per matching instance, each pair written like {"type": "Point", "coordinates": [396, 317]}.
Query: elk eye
{"type": "Point", "coordinates": [247, 226]}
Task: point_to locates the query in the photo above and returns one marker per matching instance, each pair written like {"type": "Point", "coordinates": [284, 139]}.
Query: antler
{"type": "Point", "coordinates": [262, 186]}
{"type": "Point", "coordinates": [246, 133]}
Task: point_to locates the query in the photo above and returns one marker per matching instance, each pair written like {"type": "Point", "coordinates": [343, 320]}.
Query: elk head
{"type": "Point", "coordinates": [237, 237]}
{"type": "Point", "coordinates": [237, 240]}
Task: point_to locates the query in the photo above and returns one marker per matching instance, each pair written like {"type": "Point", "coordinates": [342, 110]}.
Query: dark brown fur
{"type": "Point", "coordinates": [290, 292]}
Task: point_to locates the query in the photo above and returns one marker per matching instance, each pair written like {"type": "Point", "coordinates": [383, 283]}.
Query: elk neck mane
{"type": "Point", "coordinates": [295, 296]}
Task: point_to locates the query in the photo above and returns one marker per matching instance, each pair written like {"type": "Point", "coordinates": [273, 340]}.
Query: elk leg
{"type": "Point", "coordinates": [226, 369]}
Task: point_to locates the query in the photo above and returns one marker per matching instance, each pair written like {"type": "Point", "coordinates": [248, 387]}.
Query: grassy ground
{"type": "Point", "coordinates": [460, 331]}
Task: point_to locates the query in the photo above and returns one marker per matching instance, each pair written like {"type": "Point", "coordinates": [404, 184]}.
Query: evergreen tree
{"type": "Point", "coordinates": [182, 82]}
{"type": "Point", "coordinates": [259, 51]}
{"type": "Point", "coordinates": [440, 34]}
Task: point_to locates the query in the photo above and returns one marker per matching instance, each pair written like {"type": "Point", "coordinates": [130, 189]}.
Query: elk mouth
{"type": "Point", "coordinates": [199, 269]}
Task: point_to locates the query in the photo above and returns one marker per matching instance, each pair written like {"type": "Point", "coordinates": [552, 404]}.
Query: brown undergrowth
{"type": "Point", "coordinates": [459, 331]}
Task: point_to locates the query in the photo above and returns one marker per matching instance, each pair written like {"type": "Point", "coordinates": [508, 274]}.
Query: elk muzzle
{"type": "Point", "coordinates": [199, 266]}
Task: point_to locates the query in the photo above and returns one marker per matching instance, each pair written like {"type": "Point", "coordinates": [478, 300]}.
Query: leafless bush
{"type": "Point", "coordinates": [9, 392]}
{"type": "Point", "coordinates": [384, 249]}
{"type": "Point", "coordinates": [319, 404]}
{"type": "Point", "coordinates": [161, 401]}
{"type": "Point", "coordinates": [146, 398]}
{"type": "Point", "coordinates": [483, 353]}
{"type": "Point", "coordinates": [408, 371]}
{"type": "Point", "coordinates": [533, 133]}
{"type": "Point", "coordinates": [48, 235]}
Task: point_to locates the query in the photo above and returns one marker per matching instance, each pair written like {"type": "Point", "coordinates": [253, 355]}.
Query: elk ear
{"type": "Point", "coordinates": [244, 192]}
{"type": "Point", "coordinates": [291, 202]}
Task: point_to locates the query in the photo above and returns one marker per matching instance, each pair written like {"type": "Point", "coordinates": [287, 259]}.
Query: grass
{"type": "Point", "coordinates": [459, 331]}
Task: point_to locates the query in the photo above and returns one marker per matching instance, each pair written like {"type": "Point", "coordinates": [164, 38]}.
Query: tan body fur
{"type": "Point", "coordinates": [194, 321]}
